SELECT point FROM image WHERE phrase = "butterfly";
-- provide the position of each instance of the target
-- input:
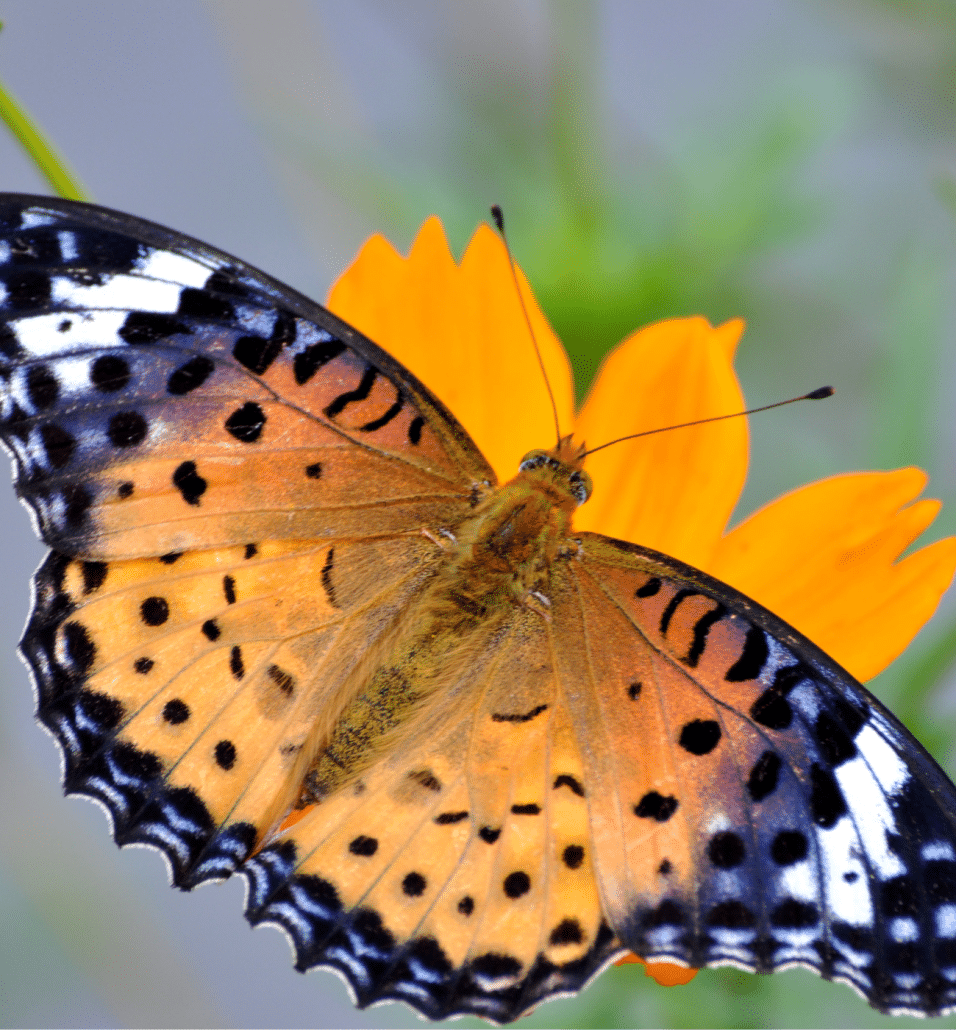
(291, 627)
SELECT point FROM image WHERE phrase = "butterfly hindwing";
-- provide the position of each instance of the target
(775, 813)
(457, 873)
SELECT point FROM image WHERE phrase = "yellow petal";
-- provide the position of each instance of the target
(667, 974)
(672, 491)
(460, 329)
(825, 559)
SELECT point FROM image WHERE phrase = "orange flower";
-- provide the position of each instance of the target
(825, 557)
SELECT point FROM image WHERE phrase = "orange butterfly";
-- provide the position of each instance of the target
(465, 750)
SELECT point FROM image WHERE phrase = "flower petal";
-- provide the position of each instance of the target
(460, 329)
(667, 974)
(826, 559)
(672, 491)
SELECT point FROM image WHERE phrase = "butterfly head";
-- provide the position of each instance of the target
(562, 470)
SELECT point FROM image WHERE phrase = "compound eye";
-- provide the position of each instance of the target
(581, 485)
(533, 460)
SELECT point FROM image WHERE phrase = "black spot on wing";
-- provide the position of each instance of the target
(154, 611)
(58, 444)
(835, 743)
(672, 605)
(283, 680)
(772, 709)
(789, 847)
(94, 575)
(519, 716)
(516, 884)
(384, 419)
(726, 850)
(256, 353)
(126, 429)
(144, 327)
(225, 755)
(347, 397)
(566, 780)
(43, 387)
(700, 736)
(189, 483)
(656, 806)
(190, 376)
(414, 884)
(752, 659)
(205, 306)
(327, 585)
(827, 804)
(573, 856)
(649, 588)
(110, 373)
(363, 846)
(449, 818)
(27, 289)
(701, 629)
(246, 423)
(309, 361)
(762, 781)
(176, 712)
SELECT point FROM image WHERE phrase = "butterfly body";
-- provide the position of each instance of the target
(463, 753)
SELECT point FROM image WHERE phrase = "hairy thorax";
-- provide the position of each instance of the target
(498, 560)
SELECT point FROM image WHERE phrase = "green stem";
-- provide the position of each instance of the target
(53, 168)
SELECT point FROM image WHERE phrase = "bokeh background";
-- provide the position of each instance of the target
(789, 161)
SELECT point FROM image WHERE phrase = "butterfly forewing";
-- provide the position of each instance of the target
(161, 395)
(772, 811)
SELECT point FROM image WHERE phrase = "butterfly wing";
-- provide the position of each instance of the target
(751, 804)
(456, 874)
(233, 483)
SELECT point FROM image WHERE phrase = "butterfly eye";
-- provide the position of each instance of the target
(581, 485)
(533, 460)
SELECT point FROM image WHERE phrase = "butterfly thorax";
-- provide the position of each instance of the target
(499, 559)
(507, 549)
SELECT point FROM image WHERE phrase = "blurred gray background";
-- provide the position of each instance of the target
(787, 161)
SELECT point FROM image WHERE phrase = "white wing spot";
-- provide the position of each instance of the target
(904, 929)
(173, 268)
(848, 901)
(40, 335)
(131, 292)
(33, 219)
(946, 921)
(889, 769)
(937, 850)
(798, 881)
(68, 245)
(872, 815)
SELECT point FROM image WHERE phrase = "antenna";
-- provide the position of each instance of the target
(814, 395)
(498, 215)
